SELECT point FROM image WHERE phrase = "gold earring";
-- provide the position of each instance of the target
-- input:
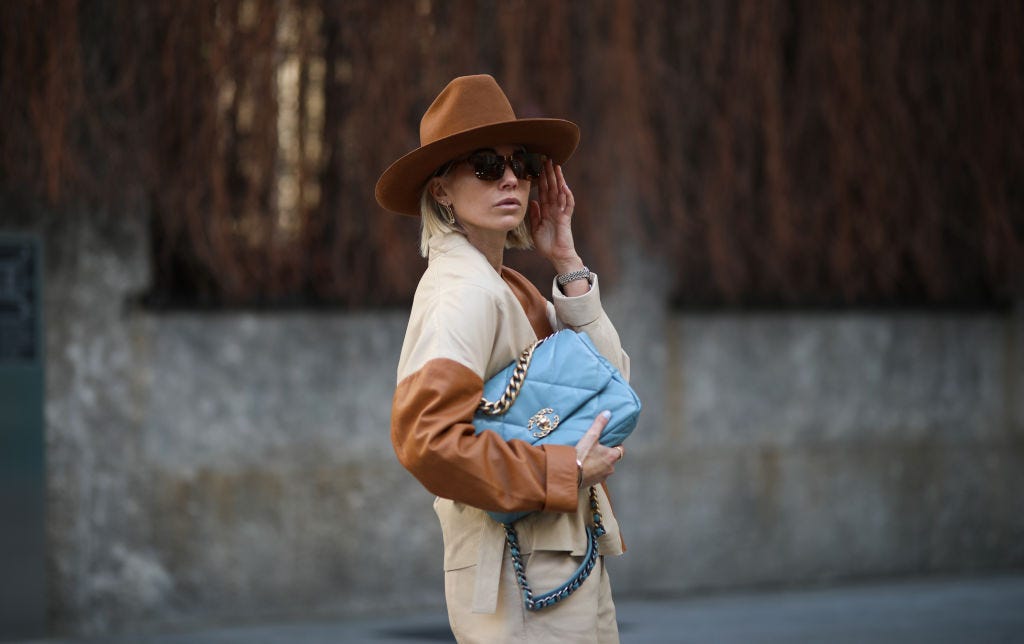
(449, 213)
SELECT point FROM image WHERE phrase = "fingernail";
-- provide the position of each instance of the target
(606, 413)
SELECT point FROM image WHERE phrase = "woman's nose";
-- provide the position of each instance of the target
(509, 179)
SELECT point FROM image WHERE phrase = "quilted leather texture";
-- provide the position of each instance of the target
(569, 377)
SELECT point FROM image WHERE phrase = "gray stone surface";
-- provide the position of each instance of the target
(973, 610)
(805, 447)
(229, 468)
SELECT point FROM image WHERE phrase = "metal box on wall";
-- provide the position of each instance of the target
(22, 465)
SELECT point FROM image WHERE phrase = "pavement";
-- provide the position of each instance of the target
(975, 610)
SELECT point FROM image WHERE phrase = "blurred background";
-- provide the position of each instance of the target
(808, 218)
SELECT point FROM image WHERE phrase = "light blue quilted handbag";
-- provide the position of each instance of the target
(558, 386)
(551, 394)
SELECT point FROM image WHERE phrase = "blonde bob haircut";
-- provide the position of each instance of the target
(433, 224)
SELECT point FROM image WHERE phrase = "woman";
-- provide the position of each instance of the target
(470, 182)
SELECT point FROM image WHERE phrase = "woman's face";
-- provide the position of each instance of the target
(485, 206)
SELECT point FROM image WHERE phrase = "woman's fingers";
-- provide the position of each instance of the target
(551, 181)
(598, 461)
(599, 465)
(558, 189)
(564, 188)
(593, 434)
(552, 189)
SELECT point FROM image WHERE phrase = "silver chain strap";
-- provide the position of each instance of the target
(535, 602)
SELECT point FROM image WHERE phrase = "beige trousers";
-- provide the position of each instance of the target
(588, 615)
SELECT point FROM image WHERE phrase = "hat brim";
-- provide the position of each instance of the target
(401, 185)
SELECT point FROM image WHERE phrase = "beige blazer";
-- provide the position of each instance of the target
(467, 323)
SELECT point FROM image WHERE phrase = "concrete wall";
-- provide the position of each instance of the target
(800, 448)
(211, 468)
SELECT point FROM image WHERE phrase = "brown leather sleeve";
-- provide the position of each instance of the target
(434, 438)
(533, 303)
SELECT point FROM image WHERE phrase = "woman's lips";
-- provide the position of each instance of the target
(509, 202)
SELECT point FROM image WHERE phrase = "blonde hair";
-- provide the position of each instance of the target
(434, 224)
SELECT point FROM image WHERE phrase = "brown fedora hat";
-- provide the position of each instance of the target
(470, 112)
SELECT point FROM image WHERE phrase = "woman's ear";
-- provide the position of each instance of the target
(437, 190)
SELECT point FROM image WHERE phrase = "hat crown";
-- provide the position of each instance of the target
(467, 102)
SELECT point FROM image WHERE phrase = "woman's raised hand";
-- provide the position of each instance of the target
(598, 461)
(551, 220)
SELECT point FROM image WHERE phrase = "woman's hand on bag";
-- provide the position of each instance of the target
(598, 460)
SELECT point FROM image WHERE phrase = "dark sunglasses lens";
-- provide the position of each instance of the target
(531, 163)
(487, 166)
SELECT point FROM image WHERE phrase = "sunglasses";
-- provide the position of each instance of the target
(490, 166)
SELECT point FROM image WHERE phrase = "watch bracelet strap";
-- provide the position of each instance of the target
(565, 278)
